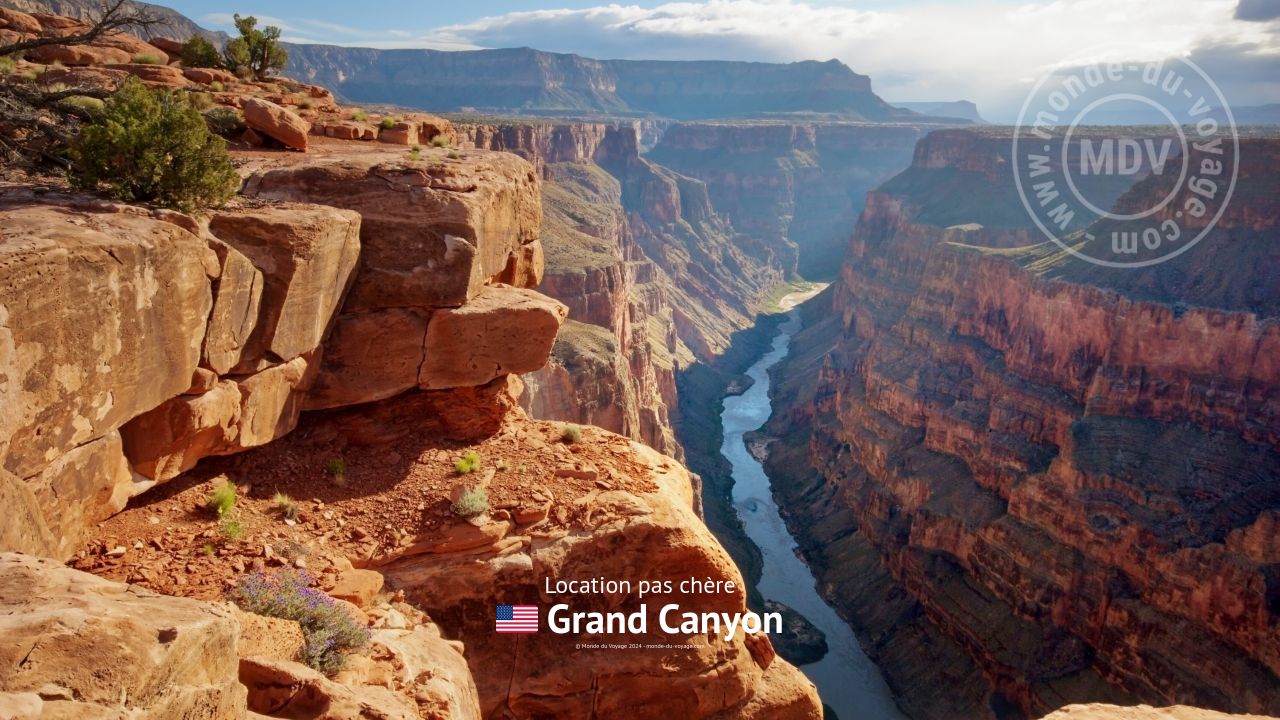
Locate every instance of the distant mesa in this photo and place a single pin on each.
(958, 109)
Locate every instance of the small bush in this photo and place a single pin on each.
(454, 154)
(153, 146)
(415, 154)
(90, 105)
(147, 59)
(468, 463)
(337, 469)
(329, 631)
(471, 503)
(223, 120)
(570, 434)
(387, 123)
(202, 101)
(222, 501)
(440, 141)
(359, 116)
(217, 86)
(306, 104)
(200, 53)
(231, 529)
(287, 506)
(7, 65)
(209, 551)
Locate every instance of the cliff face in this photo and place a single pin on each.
(652, 274)
(1062, 484)
(792, 191)
(529, 81)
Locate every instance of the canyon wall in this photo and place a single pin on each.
(1054, 480)
(791, 190)
(651, 272)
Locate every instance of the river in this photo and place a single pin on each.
(846, 679)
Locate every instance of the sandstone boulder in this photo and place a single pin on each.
(280, 688)
(546, 676)
(274, 121)
(430, 237)
(306, 255)
(78, 55)
(268, 637)
(169, 45)
(369, 356)
(97, 78)
(164, 76)
(83, 487)
(233, 416)
(357, 586)
(102, 317)
(503, 330)
(19, 22)
(24, 529)
(90, 647)
(237, 301)
(431, 670)
(402, 133)
(209, 76)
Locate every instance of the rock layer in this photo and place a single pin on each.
(1067, 482)
(80, 646)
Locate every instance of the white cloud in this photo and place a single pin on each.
(988, 51)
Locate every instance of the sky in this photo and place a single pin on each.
(986, 51)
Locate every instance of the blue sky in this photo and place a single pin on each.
(988, 51)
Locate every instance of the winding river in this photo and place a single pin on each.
(846, 679)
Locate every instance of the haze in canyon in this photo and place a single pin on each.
(948, 332)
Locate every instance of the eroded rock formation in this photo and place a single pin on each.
(1054, 481)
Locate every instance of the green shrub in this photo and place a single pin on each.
(329, 631)
(90, 105)
(257, 52)
(337, 469)
(7, 64)
(287, 506)
(387, 123)
(223, 120)
(415, 153)
(468, 463)
(148, 59)
(200, 53)
(222, 501)
(306, 104)
(217, 86)
(231, 529)
(440, 141)
(153, 146)
(471, 503)
(359, 116)
(454, 155)
(570, 434)
(202, 101)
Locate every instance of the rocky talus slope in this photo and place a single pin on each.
(343, 332)
(1058, 484)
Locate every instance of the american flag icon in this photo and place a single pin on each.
(517, 619)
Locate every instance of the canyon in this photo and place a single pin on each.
(1023, 482)
(1055, 479)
